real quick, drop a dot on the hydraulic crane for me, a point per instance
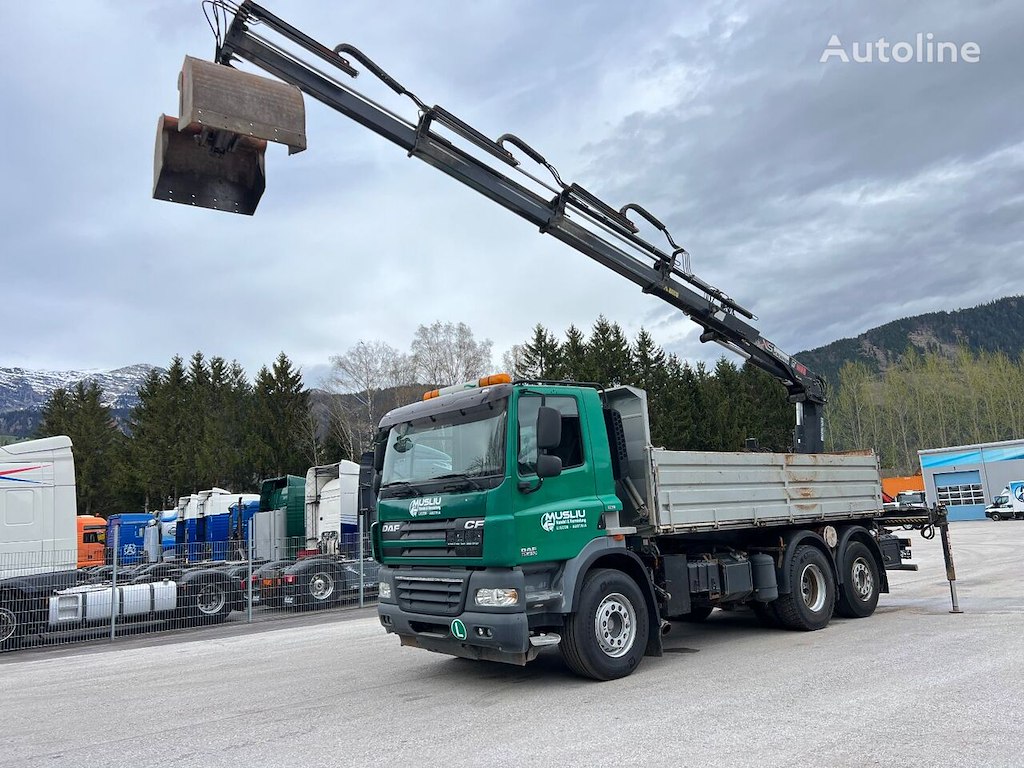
(213, 156)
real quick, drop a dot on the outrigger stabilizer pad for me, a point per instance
(213, 155)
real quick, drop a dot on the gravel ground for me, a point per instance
(911, 686)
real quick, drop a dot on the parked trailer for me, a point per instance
(41, 588)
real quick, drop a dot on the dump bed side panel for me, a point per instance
(698, 490)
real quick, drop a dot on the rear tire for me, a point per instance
(12, 628)
(322, 588)
(858, 594)
(606, 637)
(209, 603)
(809, 604)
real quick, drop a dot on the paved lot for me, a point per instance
(912, 685)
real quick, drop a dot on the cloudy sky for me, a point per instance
(826, 197)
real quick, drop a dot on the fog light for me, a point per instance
(497, 598)
(384, 589)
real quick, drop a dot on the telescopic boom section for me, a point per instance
(573, 215)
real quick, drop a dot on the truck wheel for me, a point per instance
(813, 591)
(858, 594)
(995, 517)
(606, 637)
(211, 603)
(11, 628)
(323, 588)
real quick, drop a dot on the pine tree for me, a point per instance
(609, 358)
(574, 356)
(541, 356)
(282, 403)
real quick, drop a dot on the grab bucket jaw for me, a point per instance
(190, 168)
(213, 155)
(225, 98)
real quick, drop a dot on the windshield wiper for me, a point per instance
(402, 488)
(465, 478)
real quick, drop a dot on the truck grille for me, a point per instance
(458, 537)
(437, 596)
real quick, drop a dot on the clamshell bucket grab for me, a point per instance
(224, 98)
(212, 156)
(207, 168)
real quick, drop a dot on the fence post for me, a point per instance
(362, 576)
(248, 581)
(114, 602)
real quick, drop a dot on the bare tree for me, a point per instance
(512, 361)
(446, 353)
(359, 380)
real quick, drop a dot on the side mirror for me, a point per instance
(549, 429)
(378, 453)
(548, 466)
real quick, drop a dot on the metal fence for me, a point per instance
(56, 598)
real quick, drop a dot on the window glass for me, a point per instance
(569, 450)
(462, 443)
(960, 495)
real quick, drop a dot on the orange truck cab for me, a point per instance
(92, 539)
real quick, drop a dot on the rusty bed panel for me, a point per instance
(697, 490)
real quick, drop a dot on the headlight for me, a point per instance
(497, 598)
(384, 590)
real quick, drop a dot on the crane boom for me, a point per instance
(572, 214)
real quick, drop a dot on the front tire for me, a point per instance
(858, 594)
(809, 604)
(606, 637)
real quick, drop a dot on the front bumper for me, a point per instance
(506, 632)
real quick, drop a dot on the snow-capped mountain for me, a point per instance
(23, 389)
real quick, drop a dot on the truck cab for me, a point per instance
(492, 499)
(92, 537)
(1008, 504)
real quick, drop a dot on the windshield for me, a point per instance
(468, 443)
(1001, 501)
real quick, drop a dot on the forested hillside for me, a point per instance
(994, 327)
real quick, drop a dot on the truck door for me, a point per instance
(556, 516)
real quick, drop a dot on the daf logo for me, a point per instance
(391, 527)
(470, 524)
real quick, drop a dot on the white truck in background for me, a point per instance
(1008, 504)
(41, 587)
(332, 564)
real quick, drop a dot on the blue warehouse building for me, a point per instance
(966, 477)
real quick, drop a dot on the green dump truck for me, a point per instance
(516, 516)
